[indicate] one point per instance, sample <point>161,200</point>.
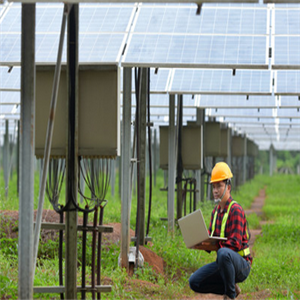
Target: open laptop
<point>194,230</point>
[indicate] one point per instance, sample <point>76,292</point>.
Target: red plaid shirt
<point>235,229</point>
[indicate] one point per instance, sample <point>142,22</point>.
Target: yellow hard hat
<point>220,172</point>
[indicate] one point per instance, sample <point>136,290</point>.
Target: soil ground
<point>150,257</point>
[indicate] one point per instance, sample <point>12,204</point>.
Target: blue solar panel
<point>10,78</point>
<point>245,113</point>
<point>12,20</point>
<point>97,41</point>
<point>158,80</point>
<point>217,21</point>
<point>164,49</point>
<point>288,82</point>
<point>221,82</point>
<point>287,51</point>
<point>9,97</point>
<point>104,19</point>
<point>92,47</point>
<point>235,101</point>
<point>10,45</point>
<point>287,21</point>
<point>289,101</point>
<point>289,113</point>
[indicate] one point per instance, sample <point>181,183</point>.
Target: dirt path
<point>256,207</point>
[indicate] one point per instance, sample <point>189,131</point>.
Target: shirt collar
<point>226,205</point>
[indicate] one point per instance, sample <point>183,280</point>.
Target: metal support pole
<point>199,186</point>
<point>179,156</point>
<point>142,155</point>
<point>6,158</point>
<point>155,156</point>
<point>27,141</point>
<point>271,159</point>
<point>126,178</point>
<point>72,155</point>
<point>229,144</point>
<point>18,158</point>
<point>245,161</point>
<point>171,164</point>
<point>49,135</point>
<point>113,177</point>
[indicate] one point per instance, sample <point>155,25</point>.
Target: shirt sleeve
<point>235,228</point>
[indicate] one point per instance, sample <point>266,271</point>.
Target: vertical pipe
<point>60,254</point>
<point>229,144</point>
<point>113,177</point>
<point>155,156</point>
<point>179,156</point>
<point>18,158</point>
<point>94,252</point>
<point>142,156</point>
<point>271,160</point>
<point>199,122</point>
<point>245,161</point>
<point>83,259</point>
<point>27,141</point>
<point>99,251</point>
<point>120,168</point>
<point>72,155</point>
<point>171,165</point>
<point>6,158</point>
<point>126,178</point>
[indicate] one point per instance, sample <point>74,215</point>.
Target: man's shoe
<point>237,290</point>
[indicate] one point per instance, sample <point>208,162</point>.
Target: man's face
<point>218,189</point>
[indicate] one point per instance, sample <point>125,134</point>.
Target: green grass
<point>277,261</point>
<point>275,266</point>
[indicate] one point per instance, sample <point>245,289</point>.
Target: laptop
<point>194,230</point>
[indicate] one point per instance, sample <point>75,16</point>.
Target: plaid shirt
<point>235,229</point>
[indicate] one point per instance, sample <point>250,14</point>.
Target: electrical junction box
<point>98,111</point>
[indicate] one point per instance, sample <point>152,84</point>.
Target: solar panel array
<point>240,62</point>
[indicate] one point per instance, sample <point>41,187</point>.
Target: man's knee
<point>223,254</point>
<point>193,284</point>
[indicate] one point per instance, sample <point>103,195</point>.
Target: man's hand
<point>207,246</point>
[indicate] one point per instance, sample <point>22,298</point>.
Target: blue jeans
<point>220,276</point>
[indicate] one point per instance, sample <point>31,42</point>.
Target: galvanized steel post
<point>27,141</point>
<point>6,158</point>
<point>126,178</point>
<point>142,156</point>
<point>171,163</point>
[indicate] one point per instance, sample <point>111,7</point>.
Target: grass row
<point>275,267</point>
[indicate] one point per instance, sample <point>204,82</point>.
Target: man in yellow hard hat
<point>233,261</point>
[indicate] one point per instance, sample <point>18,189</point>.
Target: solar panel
<point>159,80</point>
<point>243,82</point>
<point>9,97</point>
<point>104,18</point>
<point>166,19</point>
<point>10,77</point>
<point>286,54</point>
<point>288,82</point>
<point>291,113</point>
<point>289,102</point>
<point>166,50</point>
<point>235,101</point>
<point>245,113</point>
<point>92,47</point>
<point>12,20</point>
<point>287,21</point>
